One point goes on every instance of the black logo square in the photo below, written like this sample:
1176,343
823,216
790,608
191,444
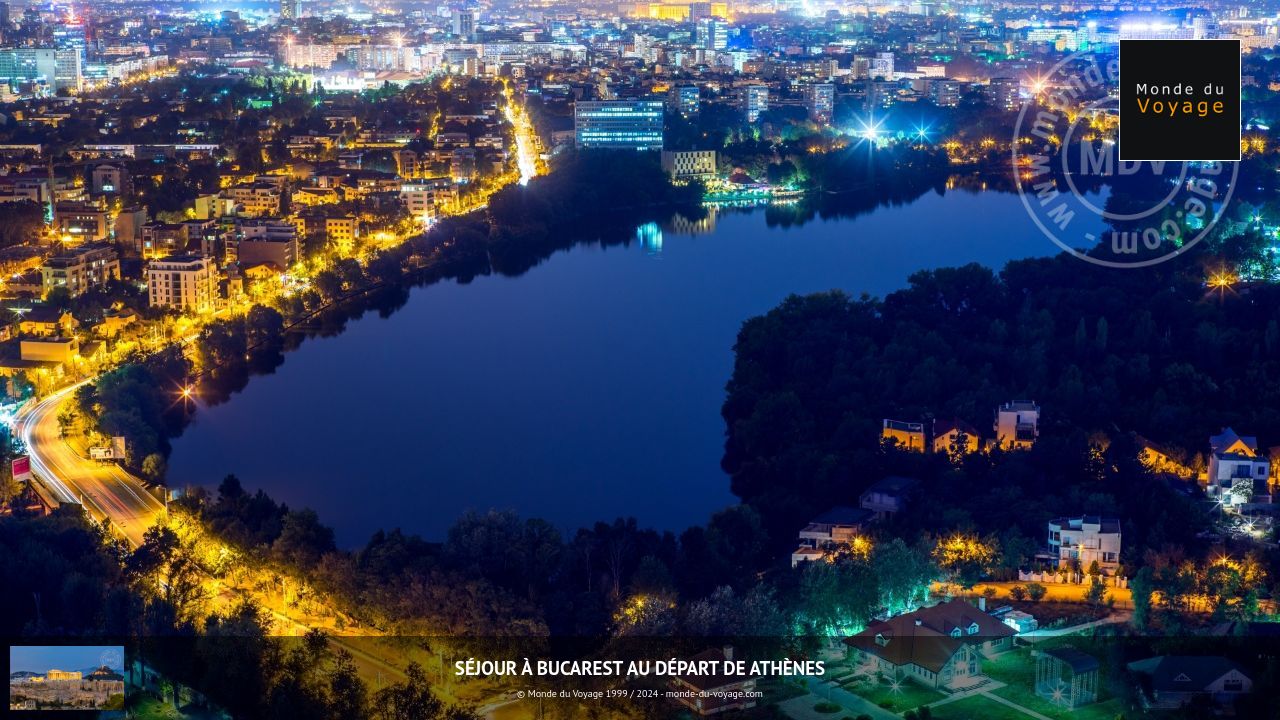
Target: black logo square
1180,100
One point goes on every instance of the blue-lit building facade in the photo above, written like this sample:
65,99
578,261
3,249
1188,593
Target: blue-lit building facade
618,124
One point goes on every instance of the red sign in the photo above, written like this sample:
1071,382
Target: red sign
21,467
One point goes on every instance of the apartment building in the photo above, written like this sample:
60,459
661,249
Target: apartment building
183,282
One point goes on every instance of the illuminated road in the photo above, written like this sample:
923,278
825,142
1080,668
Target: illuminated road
526,140
111,495
120,501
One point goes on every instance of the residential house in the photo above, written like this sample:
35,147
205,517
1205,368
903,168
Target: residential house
841,526
888,495
710,694
49,350
1171,681
1160,459
940,647
1086,540
114,322
1017,425
1237,471
907,435
955,435
47,321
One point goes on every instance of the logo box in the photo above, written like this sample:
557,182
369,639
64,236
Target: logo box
1180,100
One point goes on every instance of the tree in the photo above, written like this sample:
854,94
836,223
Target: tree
409,700
303,540
1141,587
724,614
1097,593
9,488
154,467
903,575
837,599
737,539
1036,591
966,557
349,698
20,222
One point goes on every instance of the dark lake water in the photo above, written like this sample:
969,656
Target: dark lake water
588,388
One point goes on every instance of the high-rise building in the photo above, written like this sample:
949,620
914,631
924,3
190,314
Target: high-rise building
944,92
755,100
684,99
183,282
712,34
882,65
464,24
290,9
1003,92
820,101
69,69
700,10
29,66
618,124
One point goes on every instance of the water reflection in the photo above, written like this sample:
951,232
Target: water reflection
650,237
539,386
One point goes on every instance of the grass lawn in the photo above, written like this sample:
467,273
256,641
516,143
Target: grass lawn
148,708
776,690
977,708
908,696
1017,669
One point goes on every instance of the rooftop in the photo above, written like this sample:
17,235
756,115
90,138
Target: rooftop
924,637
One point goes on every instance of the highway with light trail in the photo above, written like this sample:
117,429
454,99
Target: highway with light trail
111,495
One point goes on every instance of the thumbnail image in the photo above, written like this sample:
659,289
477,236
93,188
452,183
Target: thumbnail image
66,677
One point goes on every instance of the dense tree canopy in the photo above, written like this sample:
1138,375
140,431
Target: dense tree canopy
1105,354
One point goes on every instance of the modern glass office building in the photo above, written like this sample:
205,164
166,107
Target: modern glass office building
618,124
29,66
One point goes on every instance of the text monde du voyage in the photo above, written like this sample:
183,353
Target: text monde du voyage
1180,99
637,668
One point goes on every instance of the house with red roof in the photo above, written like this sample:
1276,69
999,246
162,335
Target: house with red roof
940,647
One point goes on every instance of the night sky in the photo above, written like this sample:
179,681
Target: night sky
41,658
